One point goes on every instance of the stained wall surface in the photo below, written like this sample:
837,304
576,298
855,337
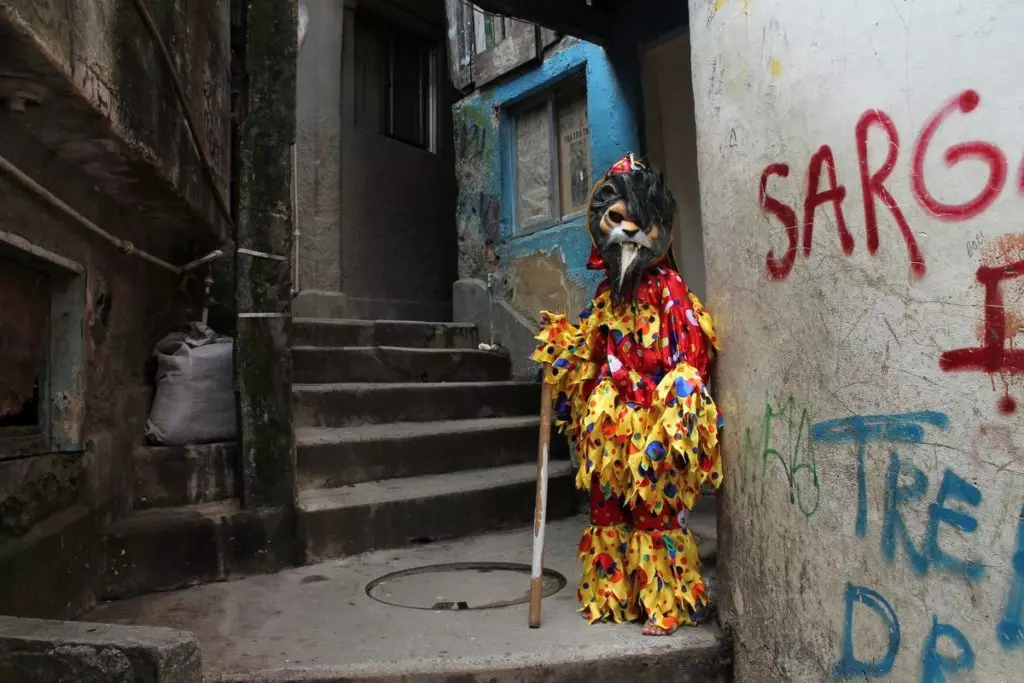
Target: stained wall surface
376,215
100,96
544,269
102,130
861,192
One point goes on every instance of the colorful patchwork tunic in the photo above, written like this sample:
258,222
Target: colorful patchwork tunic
631,395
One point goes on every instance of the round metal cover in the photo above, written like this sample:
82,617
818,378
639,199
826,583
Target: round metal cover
461,586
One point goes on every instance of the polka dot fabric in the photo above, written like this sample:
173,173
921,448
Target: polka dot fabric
631,395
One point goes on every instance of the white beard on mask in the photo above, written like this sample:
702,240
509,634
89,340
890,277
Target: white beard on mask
628,255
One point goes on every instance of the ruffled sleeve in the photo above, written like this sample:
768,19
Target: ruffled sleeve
681,451
565,347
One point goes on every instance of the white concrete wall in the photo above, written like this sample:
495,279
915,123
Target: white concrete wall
841,327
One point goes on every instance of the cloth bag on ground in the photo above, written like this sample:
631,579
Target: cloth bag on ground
195,399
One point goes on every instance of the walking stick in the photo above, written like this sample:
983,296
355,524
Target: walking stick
540,509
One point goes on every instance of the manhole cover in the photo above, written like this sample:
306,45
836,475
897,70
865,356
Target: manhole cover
461,586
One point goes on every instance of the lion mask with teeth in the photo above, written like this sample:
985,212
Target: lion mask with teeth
629,218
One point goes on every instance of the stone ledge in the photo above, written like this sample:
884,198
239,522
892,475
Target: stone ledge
39,651
511,329
212,542
167,476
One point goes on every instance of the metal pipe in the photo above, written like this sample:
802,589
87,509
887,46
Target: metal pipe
127,247
32,186
207,284
212,256
296,232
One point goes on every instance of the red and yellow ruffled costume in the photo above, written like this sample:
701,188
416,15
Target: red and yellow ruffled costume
631,395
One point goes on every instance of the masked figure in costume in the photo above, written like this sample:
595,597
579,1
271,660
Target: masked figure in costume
631,394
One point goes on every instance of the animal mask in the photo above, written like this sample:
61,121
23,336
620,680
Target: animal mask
630,222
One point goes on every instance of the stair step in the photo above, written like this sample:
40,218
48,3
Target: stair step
407,333
401,512
167,476
316,365
345,405
329,458
210,542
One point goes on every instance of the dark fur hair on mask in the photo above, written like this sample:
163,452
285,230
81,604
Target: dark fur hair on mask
650,206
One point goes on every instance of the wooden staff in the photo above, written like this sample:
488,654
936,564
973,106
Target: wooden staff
540,509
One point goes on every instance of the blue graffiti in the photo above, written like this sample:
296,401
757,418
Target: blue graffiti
848,665
935,665
904,484
958,489
1011,629
867,429
897,495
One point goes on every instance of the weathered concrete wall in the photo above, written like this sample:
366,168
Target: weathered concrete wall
106,103
376,215
860,169
103,130
52,506
398,235
545,269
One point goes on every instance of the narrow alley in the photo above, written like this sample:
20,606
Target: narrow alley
493,341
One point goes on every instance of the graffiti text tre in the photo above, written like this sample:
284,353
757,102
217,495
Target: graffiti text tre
951,506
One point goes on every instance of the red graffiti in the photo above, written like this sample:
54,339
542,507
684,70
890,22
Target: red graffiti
873,185
779,269
966,102
1007,406
993,356
834,195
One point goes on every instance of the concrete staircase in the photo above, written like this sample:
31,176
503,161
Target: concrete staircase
406,433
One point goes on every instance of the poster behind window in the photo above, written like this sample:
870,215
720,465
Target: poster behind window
574,152
533,164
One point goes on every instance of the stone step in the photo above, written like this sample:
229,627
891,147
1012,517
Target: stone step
167,476
171,548
37,650
401,512
330,458
324,365
413,334
346,405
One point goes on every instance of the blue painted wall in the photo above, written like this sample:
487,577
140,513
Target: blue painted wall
484,163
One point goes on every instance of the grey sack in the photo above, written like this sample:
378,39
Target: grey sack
195,400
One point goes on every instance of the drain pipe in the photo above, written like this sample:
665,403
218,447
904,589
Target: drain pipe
296,232
490,345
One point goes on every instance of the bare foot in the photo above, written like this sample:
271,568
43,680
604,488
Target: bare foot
652,629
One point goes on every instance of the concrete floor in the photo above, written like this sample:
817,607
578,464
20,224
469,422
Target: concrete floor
317,623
